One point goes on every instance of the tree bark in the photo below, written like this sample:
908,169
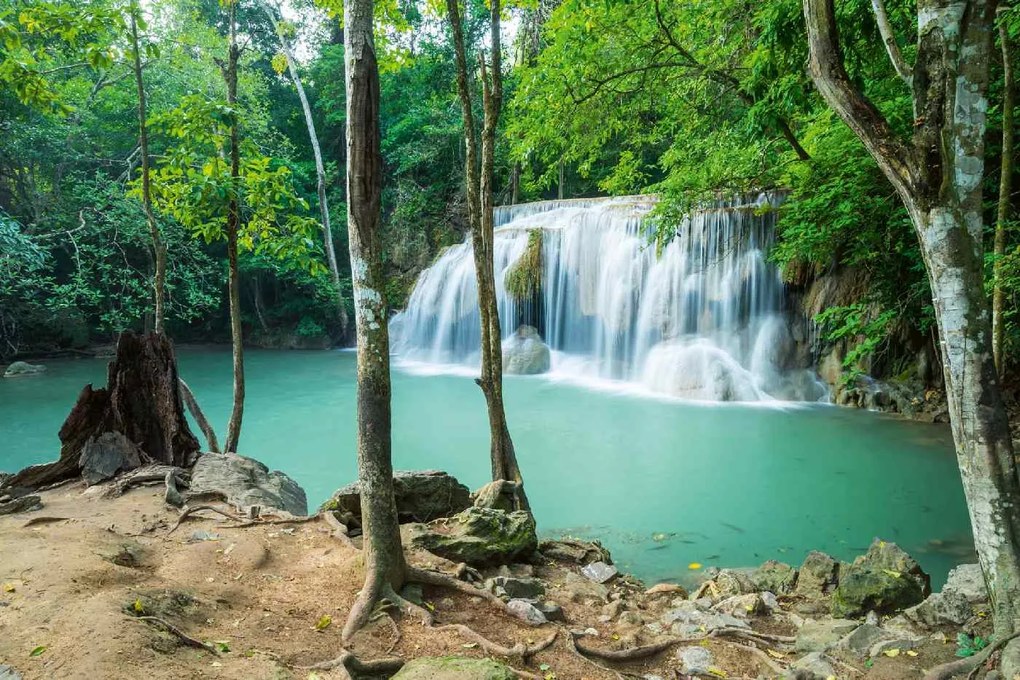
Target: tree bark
938,177
385,567
320,169
233,226
189,400
480,193
1005,192
140,401
158,248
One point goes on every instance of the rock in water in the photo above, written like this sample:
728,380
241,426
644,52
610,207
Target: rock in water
106,455
245,483
524,353
570,550
885,580
20,368
421,495
479,536
454,668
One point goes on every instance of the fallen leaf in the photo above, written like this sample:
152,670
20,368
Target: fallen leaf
222,646
38,651
717,672
892,653
911,652
8,587
469,645
138,606
774,654
894,574
324,622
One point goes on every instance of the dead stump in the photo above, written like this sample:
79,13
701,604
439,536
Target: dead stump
137,419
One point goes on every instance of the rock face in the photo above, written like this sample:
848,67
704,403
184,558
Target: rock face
20,368
106,455
245,482
775,577
954,605
454,668
817,576
885,579
524,353
421,495
479,536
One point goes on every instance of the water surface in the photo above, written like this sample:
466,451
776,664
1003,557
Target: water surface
663,483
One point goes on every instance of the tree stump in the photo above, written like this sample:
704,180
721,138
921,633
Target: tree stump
141,403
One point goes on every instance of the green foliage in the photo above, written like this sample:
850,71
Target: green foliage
969,646
862,326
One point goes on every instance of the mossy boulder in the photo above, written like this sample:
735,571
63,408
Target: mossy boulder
479,536
454,668
885,579
776,577
421,496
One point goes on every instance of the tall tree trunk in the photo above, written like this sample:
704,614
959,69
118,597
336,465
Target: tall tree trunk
938,177
480,194
233,226
1005,192
385,568
158,248
320,169
561,187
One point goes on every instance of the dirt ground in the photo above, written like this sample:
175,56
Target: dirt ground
74,576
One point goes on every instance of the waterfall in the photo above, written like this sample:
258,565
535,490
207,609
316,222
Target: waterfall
705,318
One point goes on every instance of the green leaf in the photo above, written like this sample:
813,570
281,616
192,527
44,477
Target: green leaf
38,651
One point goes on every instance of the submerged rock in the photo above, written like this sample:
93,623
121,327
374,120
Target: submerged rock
479,536
454,668
570,550
524,353
245,483
20,368
775,577
885,579
421,496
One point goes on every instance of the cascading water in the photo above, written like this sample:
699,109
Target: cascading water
702,319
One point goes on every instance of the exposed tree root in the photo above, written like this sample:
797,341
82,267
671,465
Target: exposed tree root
407,607
572,643
347,662
751,635
525,674
437,578
393,626
188,397
150,474
631,654
762,656
340,530
177,632
189,511
520,650
466,572
363,605
957,668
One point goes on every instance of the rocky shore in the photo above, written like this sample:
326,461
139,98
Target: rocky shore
111,581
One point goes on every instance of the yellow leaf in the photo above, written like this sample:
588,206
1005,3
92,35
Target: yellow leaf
911,652
892,653
894,574
774,654
717,672
8,587
138,606
324,622
694,565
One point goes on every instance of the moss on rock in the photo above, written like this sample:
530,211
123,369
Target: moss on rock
454,668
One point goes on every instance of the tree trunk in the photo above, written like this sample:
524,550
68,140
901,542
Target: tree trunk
320,170
140,401
938,177
233,226
561,187
480,194
385,567
158,248
1005,192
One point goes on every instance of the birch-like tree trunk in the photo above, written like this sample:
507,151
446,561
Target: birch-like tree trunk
481,196
938,176
385,567
233,226
1005,194
158,247
320,168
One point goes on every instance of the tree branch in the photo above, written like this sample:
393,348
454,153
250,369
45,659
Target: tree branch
903,69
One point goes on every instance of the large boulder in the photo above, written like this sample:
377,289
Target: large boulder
479,536
954,605
454,668
775,577
106,455
20,368
245,483
817,576
524,353
421,495
885,579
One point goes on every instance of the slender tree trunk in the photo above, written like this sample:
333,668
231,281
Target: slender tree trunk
1005,193
515,184
561,187
158,248
503,459
385,567
233,226
938,177
320,169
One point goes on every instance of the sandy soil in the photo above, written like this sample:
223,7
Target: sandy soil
73,575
